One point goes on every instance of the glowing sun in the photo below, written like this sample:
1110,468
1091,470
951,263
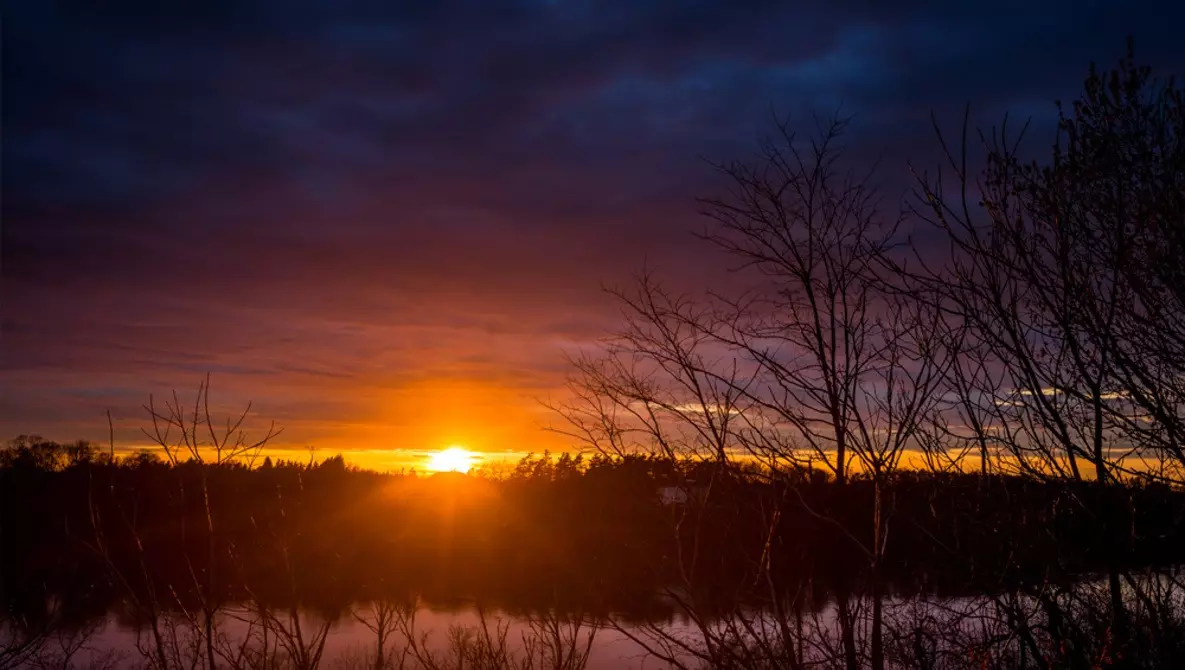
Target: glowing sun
453,459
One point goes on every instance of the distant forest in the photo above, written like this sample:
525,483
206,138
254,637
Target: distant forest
595,531
590,538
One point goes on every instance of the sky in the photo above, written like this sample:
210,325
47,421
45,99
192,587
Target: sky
386,223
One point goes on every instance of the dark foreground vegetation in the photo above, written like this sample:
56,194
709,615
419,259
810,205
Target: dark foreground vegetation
1034,378
590,539
592,536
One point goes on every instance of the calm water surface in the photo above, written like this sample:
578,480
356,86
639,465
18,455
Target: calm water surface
349,640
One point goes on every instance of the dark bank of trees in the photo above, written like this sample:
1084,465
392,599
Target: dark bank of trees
589,539
588,530
1031,375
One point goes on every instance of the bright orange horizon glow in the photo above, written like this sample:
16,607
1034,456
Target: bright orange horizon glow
453,459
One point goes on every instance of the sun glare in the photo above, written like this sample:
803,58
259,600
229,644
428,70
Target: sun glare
453,459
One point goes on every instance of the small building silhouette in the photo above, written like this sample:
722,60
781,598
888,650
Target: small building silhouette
673,495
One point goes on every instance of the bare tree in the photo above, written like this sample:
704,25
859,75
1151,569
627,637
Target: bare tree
385,618
184,435
818,363
1058,298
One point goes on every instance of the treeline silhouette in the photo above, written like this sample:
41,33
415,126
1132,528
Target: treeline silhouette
585,534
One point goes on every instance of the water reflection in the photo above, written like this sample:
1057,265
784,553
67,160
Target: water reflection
410,634
350,642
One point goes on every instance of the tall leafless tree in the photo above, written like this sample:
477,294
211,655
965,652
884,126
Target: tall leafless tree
1061,299
816,364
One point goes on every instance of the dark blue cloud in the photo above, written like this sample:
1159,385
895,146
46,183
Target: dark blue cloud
119,101
235,173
